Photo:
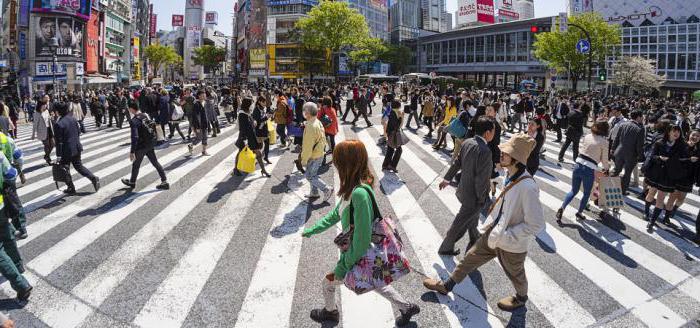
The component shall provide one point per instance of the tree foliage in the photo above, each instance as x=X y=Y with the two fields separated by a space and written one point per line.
x=399 y=56
x=209 y=56
x=558 y=50
x=160 y=55
x=636 y=73
x=366 y=51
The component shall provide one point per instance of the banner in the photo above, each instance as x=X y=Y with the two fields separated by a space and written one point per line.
x=68 y=31
x=79 y=8
x=211 y=18
x=22 y=43
x=508 y=13
x=257 y=58
x=23 y=19
x=92 y=52
x=485 y=11
x=152 y=29
x=178 y=20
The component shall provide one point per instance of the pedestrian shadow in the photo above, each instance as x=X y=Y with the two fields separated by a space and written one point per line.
x=518 y=318
x=116 y=202
x=8 y=304
x=228 y=186
x=33 y=168
x=292 y=221
x=390 y=183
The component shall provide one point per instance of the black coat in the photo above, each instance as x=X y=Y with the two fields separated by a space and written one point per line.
x=576 y=121
x=666 y=173
x=199 y=116
x=260 y=119
x=246 y=134
x=67 y=134
x=533 y=161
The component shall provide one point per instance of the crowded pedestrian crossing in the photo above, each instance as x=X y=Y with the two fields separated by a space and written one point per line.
x=218 y=250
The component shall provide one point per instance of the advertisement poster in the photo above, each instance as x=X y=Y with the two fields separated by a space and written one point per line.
x=257 y=58
x=485 y=11
x=23 y=14
x=68 y=31
x=257 y=35
x=211 y=17
x=79 y=8
x=92 y=52
x=22 y=45
x=152 y=28
x=466 y=12
x=178 y=20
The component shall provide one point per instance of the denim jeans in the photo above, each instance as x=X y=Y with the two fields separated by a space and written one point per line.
x=582 y=174
x=311 y=174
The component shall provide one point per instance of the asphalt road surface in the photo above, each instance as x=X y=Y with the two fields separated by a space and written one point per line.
x=223 y=251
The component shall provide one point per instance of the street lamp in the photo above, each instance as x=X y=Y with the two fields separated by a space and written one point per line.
x=53 y=45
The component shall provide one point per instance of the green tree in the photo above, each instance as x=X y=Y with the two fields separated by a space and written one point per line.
x=332 y=25
x=209 y=57
x=160 y=55
x=366 y=51
x=399 y=56
x=558 y=50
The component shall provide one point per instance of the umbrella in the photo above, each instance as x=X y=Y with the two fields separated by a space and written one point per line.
x=696 y=95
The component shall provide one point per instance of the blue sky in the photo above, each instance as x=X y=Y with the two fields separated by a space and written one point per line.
x=166 y=8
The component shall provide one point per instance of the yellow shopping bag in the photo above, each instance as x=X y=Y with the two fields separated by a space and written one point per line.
x=272 y=132
x=246 y=160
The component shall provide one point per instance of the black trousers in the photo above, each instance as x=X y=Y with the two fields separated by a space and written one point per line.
x=78 y=165
x=392 y=157
x=98 y=119
x=628 y=165
x=414 y=115
x=138 y=158
x=113 y=114
x=174 y=126
x=364 y=115
x=13 y=205
x=570 y=141
x=428 y=121
x=349 y=107
x=282 y=133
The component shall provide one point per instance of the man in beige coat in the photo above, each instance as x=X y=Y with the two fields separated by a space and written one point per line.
x=515 y=217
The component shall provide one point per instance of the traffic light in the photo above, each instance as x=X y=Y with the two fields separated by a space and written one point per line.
x=534 y=29
x=603 y=75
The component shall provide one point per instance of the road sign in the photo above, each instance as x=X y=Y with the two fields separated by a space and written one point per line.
x=583 y=46
x=563 y=23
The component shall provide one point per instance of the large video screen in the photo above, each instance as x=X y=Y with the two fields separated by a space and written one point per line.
x=68 y=31
x=79 y=8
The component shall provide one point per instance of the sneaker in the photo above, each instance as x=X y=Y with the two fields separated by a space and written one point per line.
x=405 y=316
x=163 y=186
x=322 y=315
x=128 y=183
x=511 y=303
x=327 y=194
x=23 y=296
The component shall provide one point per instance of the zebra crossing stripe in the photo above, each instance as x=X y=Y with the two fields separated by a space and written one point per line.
x=555 y=303
x=170 y=304
x=424 y=238
x=104 y=139
x=268 y=301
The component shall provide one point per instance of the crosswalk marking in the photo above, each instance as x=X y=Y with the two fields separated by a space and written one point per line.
x=424 y=238
x=541 y=287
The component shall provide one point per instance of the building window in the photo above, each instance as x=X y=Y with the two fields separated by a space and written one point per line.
x=443 y=51
x=470 y=50
x=681 y=61
x=453 y=51
x=460 y=50
x=672 y=38
x=671 y=61
x=490 y=48
x=692 y=62
x=510 y=47
x=500 y=48
x=479 y=49
x=522 y=46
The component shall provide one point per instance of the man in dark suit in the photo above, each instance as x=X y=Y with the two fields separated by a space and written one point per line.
x=475 y=162
x=362 y=103
x=199 y=124
x=573 y=133
x=628 y=147
x=68 y=147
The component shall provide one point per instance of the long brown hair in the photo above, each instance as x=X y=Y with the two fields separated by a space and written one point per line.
x=350 y=159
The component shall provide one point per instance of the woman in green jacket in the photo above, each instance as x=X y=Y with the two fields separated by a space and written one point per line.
x=350 y=160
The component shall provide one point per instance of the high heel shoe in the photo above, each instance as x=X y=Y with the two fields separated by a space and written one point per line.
x=267 y=161
x=267 y=175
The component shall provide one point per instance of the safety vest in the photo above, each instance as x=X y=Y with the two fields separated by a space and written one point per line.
x=5 y=146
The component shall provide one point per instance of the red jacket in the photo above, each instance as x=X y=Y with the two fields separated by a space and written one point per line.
x=330 y=111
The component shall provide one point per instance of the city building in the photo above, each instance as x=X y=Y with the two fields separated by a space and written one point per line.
x=497 y=55
x=432 y=15
x=194 y=24
x=506 y=12
x=376 y=14
x=526 y=8
x=117 y=22
x=446 y=22
x=404 y=20
x=666 y=31
x=472 y=13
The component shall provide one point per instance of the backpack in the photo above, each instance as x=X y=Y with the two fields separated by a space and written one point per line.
x=148 y=132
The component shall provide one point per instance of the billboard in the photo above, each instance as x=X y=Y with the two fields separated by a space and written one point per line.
x=484 y=11
x=23 y=19
x=92 y=51
x=512 y=15
x=651 y=12
x=475 y=11
x=211 y=18
x=292 y=2
x=257 y=58
x=152 y=27
x=178 y=20
x=68 y=31
x=79 y=8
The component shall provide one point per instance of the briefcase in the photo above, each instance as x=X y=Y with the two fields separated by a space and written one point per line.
x=60 y=173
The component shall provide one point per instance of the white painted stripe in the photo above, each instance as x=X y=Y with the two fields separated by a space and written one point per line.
x=90 y=142
x=102 y=281
x=39 y=227
x=551 y=300
x=424 y=238
x=170 y=304
x=657 y=265
x=52 y=258
x=367 y=310
x=268 y=302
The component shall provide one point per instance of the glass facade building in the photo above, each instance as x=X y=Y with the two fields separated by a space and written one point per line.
x=404 y=20
x=376 y=14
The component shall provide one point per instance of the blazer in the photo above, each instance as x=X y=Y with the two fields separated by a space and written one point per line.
x=628 y=141
x=199 y=116
x=42 y=124
x=476 y=164
x=67 y=134
x=246 y=135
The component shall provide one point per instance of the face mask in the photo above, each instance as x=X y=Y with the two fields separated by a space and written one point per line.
x=472 y=111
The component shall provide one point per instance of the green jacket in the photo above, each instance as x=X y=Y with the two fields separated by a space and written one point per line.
x=362 y=236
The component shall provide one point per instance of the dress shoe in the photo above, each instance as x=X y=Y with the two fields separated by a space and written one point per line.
x=435 y=285
x=405 y=316
x=322 y=315
x=23 y=295
x=96 y=184
x=163 y=186
x=128 y=183
x=454 y=252
x=511 y=303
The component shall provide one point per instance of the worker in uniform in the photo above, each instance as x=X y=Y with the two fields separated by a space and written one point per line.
x=13 y=205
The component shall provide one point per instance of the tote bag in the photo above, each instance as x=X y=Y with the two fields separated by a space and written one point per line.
x=610 y=192
x=456 y=128
x=246 y=160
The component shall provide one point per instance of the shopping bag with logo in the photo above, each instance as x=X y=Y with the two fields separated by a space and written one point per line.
x=246 y=160
x=160 y=135
x=456 y=128
x=610 y=192
x=384 y=262
x=272 y=132
x=295 y=130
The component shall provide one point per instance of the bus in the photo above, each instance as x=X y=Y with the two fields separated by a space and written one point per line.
x=416 y=78
x=377 y=78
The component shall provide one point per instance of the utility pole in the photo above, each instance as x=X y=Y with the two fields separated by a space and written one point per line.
x=590 y=52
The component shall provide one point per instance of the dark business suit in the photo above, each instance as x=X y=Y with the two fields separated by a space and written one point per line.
x=573 y=134
x=68 y=147
x=475 y=162
x=627 y=148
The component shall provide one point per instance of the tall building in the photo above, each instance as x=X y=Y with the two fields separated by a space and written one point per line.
x=432 y=15
x=117 y=22
x=446 y=24
x=526 y=9
x=194 y=23
x=404 y=20
x=376 y=14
